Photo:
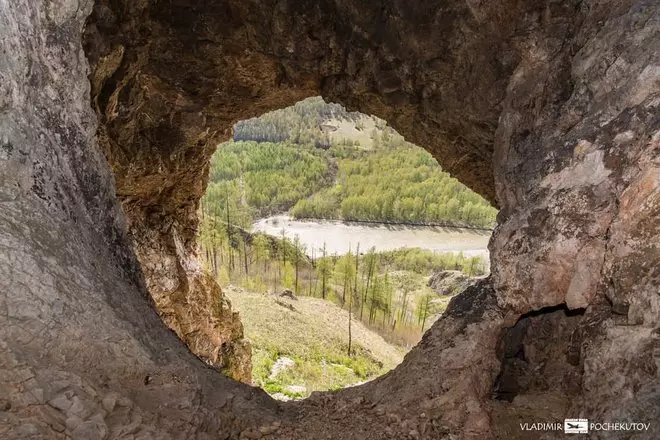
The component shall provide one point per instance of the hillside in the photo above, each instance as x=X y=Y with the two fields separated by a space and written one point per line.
x=389 y=289
x=313 y=334
x=320 y=161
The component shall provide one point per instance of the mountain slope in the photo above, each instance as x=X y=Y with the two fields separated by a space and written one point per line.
x=312 y=333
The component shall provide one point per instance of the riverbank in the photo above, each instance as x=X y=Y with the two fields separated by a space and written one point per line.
x=339 y=237
x=446 y=225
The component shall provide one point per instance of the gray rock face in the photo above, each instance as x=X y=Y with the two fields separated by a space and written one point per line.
x=82 y=352
x=549 y=109
x=450 y=282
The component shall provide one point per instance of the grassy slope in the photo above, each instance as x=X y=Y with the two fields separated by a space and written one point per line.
x=315 y=335
x=347 y=129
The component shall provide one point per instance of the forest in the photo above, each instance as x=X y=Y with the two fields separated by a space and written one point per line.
x=253 y=179
x=299 y=124
x=400 y=185
x=316 y=160
x=319 y=161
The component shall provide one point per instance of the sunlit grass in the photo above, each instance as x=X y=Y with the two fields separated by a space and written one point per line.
x=315 y=336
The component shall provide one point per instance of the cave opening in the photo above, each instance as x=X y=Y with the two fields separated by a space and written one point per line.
x=160 y=123
x=337 y=242
x=542 y=366
x=548 y=109
x=500 y=94
x=543 y=345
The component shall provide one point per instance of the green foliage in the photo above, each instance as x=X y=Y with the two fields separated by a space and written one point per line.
x=401 y=184
x=222 y=205
x=427 y=306
x=384 y=293
x=423 y=261
x=263 y=178
x=297 y=124
x=261 y=246
x=312 y=334
x=285 y=160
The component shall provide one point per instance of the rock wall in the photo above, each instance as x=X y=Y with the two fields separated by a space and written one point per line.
x=549 y=109
x=83 y=353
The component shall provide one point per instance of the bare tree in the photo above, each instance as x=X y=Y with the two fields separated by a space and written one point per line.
x=371 y=265
x=283 y=251
x=425 y=309
x=296 y=259
x=324 y=263
x=350 y=300
x=229 y=231
x=245 y=257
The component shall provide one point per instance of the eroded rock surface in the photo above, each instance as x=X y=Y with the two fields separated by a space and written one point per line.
x=83 y=353
x=549 y=109
x=450 y=282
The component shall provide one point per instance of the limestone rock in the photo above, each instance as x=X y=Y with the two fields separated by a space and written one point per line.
x=280 y=365
x=288 y=293
x=449 y=282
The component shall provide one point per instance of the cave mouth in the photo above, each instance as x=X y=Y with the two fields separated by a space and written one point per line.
x=541 y=354
x=522 y=99
x=167 y=84
x=337 y=242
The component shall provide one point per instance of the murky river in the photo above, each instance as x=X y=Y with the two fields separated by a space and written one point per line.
x=339 y=236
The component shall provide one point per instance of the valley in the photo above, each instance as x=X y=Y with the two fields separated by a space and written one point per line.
x=338 y=211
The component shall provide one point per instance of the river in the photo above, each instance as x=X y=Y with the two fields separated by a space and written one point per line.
x=339 y=236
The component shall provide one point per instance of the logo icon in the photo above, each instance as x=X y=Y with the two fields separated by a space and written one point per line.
x=576 y=426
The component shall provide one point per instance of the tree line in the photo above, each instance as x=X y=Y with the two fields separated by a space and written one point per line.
x=263 y=178
x=297 y=124
x=274 y=164
x=403 y=184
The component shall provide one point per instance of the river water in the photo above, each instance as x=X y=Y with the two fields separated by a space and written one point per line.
x=339 y=236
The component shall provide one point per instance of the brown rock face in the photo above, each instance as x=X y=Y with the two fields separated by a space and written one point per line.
x=189 y=300
x=549 y=109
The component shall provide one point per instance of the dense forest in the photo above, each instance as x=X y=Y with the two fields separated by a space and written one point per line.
x=319 y=161
x=256 y=179
x=400 y=185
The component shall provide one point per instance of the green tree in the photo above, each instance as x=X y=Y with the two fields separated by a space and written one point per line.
x=424 y=309
x=345 y=273
x=261 y=246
